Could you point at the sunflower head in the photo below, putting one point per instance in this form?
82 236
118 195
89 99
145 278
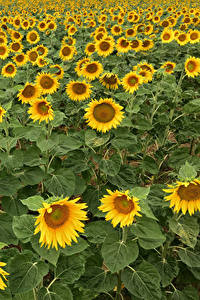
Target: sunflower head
120 207
29 93
131 82
40 110
59 221
92 70
9 70
78 90
110 80
3 274
47 83
192 66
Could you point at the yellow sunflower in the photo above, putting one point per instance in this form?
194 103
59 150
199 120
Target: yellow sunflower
32 37
104 48
29 93
4 51
67 52
80 64
120 208
167 35
59 71
90 49
194 36
20 59
32 56
47 82
92 70
42 26
184 196
78 90
16 47
59 222
2 113
169 66
4 274
131 82
123 45
147 45
41 110
146 75
9 70
136 45
104 114
41 50
182 38
110 80
192 66
116 30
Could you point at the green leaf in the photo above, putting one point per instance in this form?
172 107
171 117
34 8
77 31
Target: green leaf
57 291
12 161
148 232
140 192
66 144
93 140
9 184
33 202
32 176
99 280
51 254
97 231
118 254
58 118
149 165
23 227
125 179
24 296
62 182
187 172
111 166
6 231
32 157
192 106
6 295
45 144
13 206
70 268
143 282
189 257
187 228
8 143
26 272
75 247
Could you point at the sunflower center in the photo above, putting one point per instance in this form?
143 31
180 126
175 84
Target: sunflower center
117 29
104 46
33 56
10 69
182 37
33 36
57 217
40 50
132 80
2 40
194 36
169 67
51 26
42 25
166 36
145 44
66 51
20 58
43 108
91 48
92 68
123 205
29 91
58 72
145 67
2 50
17 22
190 192
79 88
46 82
15 46
124 43
110 80
134 44
104 112
191 66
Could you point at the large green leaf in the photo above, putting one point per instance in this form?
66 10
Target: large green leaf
97 231
23 227
57 291
32 176
189 257
6 231
33 202
111 166
75 247
66 144
9 184
13 206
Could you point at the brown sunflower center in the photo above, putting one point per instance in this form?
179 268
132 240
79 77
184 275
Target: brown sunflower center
182 37
193 36
130 31
104 46
2 40
2 50
132 81
41 50
116 29
145 67
79 88
104 112
166 36
99 36
92 68
15 46
123 205
169 67
57 217
91 48
59 71
51 26
190 192
29 91
46 82
10 69
145 43
20 58
124 43
17 22
33 55
16 35
110 80
66 51
134 44
191 66
43 108
33 36
42 25
165 23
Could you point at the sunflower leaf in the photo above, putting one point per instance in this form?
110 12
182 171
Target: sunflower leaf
187 172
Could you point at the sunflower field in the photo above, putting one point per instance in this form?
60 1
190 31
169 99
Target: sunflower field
99 150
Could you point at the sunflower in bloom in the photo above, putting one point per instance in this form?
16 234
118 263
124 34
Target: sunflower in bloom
67 52
167 35
104 114
194 36
59 222
169 66
47 83
136 45
110 80
4 51
4 274
20 59
33 37
90 49
41 110
92 70
80 64
123 45
104 48
29 93
182 38
78 90
59 71
131 82
192 66
9 70
184 196
120 208
2 113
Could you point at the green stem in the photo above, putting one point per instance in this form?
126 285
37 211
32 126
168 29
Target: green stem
119 286
124 234
34 294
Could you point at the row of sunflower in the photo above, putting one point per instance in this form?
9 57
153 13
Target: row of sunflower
99 115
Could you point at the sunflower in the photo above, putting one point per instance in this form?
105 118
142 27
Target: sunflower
20 59
69 41
92 70
167 36
120 208
4 51
32 56
25 24
90 49
2 113
47 82
130 32
9 70
41 50
52 25
41 62
59 71
16 36
184 196
131 82
104 48
146 75
182 38
59 222
66 52
116 30
72 30
3 40
136 45
32 37
29 93
147 45
192 66
147 67
80 64
42 26
4 274
169 67
78 90
123 45
104 114
110 80
194 36
41 110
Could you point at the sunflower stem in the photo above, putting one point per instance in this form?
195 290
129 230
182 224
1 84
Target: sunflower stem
119 286
124 234
34 294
